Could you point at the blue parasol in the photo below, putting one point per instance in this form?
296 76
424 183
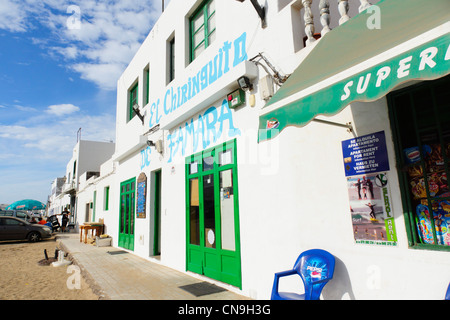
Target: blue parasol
26 204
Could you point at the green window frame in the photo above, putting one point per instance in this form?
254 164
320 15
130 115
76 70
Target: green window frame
133 95
211 183
420 122
127 213
94 205
171 56
147 85
106 197
202 28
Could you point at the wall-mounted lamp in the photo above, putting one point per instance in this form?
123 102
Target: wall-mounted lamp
138 113
244 83
158 145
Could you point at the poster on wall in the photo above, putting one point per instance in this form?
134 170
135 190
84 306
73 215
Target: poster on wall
366 166
365 154
370 208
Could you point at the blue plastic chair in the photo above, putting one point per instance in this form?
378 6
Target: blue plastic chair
447 295
315 267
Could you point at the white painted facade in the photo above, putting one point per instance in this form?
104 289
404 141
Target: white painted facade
87 158
293 193
95 198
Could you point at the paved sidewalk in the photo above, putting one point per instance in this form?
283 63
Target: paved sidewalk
126 276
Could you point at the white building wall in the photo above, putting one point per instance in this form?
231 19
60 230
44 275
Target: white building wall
292 189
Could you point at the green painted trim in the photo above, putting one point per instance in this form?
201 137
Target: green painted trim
414 241
147 88
133 100
94 205
157 212
126 240
106 198
332 99
216 254
201 10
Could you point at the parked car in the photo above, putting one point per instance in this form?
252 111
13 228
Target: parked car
16 213
12 228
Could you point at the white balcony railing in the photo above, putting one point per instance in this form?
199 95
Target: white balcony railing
324 9
69 187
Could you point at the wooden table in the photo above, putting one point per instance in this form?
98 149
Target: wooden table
86 227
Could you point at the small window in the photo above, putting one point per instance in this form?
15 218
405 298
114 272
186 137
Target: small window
11 222
147 84
133 100
203 28
171 62
106 198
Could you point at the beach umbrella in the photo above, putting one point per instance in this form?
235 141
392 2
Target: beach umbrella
26 204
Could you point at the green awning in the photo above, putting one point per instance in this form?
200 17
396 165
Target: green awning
356 63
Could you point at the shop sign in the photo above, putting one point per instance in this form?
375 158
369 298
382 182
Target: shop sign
366 166
145 157
203 131
427 61
228 57
419 63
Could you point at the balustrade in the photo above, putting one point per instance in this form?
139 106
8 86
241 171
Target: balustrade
324 9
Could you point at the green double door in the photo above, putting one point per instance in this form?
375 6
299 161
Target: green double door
212 214
127 214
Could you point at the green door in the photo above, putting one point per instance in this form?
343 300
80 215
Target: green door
126 223
212 214
157 219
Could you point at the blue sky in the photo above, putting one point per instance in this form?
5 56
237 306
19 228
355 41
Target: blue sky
59 65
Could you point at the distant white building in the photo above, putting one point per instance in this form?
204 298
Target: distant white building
87 158
55 201
244 137
96 197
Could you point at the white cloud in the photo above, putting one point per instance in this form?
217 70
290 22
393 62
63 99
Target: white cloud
53 139
12 16
104 75
25 109
107 34
62 109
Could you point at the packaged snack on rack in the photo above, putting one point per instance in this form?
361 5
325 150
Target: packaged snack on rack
442 222
424 224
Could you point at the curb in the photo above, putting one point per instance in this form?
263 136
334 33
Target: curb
96 288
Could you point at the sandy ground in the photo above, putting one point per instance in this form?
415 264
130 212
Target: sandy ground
22 277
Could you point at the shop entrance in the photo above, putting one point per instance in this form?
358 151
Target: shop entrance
213 240
420 121
126 223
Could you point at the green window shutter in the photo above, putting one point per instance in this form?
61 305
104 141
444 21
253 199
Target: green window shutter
202 28
133 100
107 198
147 94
